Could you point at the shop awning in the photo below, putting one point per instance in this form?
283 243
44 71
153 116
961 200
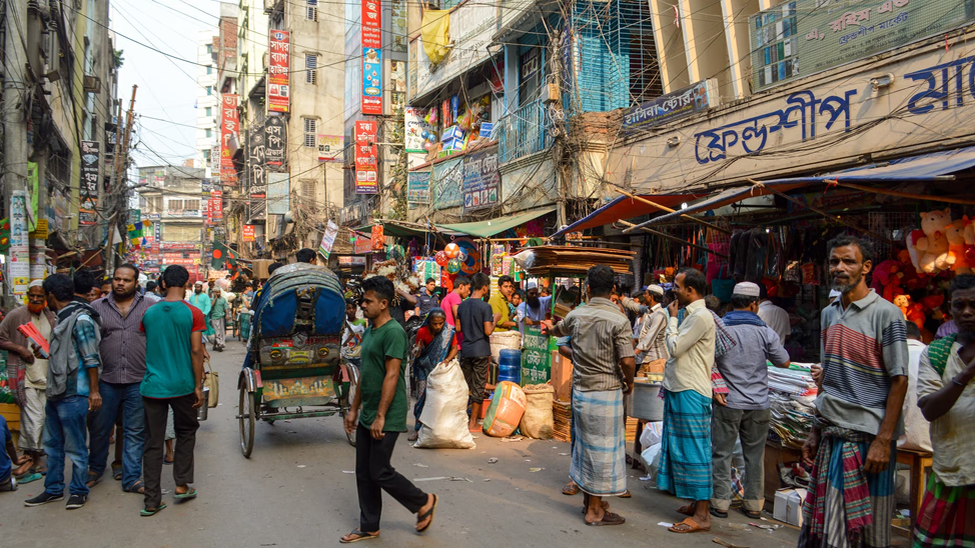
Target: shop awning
625 207
400 229
924 167
486 229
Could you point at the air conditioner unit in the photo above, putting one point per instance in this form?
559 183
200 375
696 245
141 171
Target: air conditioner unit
92 84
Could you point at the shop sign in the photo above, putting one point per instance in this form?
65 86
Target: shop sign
536 359
88 193
278 193
331 148
279 71
372 61
803 37
398 24
929 100
448 177
349 260
672 106
248 233
179 246
482 181
366 165
256 162
416 124
328 239
418 187
362 244
471 26
18 257
216 206
378 239
275 143
229 126
530 186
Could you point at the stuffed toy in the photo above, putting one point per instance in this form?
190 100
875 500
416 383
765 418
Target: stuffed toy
915 313
957 258
887 279
904 303
932 301
969 240
932 248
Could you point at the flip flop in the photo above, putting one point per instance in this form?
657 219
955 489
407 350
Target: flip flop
570 489
117 471
93 479
688 522
29 477
191 494
718 513
360 535
428 514
136 487
146 512
168 462
609 518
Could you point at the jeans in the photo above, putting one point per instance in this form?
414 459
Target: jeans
65 431
726 427
374 474
186 425
116 398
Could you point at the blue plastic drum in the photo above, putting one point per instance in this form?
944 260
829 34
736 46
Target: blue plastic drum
509 366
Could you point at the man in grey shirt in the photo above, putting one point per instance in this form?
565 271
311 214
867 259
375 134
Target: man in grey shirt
745 410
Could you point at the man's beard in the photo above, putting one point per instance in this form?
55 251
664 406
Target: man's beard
847 287
534 302
123 295
35 309
198 291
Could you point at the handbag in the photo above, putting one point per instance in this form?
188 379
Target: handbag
212 381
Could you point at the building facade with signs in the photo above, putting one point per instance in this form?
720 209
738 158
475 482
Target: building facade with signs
176 200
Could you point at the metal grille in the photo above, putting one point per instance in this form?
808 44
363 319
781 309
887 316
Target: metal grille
311 138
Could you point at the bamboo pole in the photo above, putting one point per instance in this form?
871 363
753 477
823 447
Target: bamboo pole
673 238
899 194
821 212
668 210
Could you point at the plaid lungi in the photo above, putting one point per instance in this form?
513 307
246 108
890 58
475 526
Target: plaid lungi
685 453
946 516
598 442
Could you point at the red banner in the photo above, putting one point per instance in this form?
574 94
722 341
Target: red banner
372 62
216 205
248 233
366 166
279 71
229 127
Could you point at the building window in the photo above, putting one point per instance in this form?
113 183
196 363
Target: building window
209 112
308 188
311 10
311 63
209 49
209 69
209 90
206 155
311 132
209 133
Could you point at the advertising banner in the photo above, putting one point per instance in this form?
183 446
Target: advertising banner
448 177
482 180
256 163
372 63
229 126
331 148
416 126
536 359
216 205
88 193
803 37
349 260
248 233
278 193
666 108
418 187
366 166
328 240
279 71
276 143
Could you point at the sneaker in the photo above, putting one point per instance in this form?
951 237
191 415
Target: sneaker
9 484
43 498
76 501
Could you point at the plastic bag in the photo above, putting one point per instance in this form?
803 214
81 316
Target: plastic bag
538 421
652 434
507 408
444 415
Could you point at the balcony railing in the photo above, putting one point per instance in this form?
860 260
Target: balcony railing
522 132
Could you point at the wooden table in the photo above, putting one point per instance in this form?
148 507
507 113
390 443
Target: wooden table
920 463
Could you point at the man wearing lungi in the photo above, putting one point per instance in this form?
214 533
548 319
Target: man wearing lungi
852 443
603 369
947 399
685 454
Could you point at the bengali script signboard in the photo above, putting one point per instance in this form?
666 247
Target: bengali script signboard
276 143
88 193
230 120
279 71
372 60
803 37
536 359
482 180
366 158
690 100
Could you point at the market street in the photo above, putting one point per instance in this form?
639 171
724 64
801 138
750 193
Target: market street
295 490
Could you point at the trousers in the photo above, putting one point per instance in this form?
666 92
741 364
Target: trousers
65 428
220 330
119 400
727 425
186 424
374 474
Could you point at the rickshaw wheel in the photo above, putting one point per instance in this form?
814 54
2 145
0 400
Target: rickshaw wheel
246 411
348 398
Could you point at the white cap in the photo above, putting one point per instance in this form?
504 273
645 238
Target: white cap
835 293
36 283
655 289
747 289
531 285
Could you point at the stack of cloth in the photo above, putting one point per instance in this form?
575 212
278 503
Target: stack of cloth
792 393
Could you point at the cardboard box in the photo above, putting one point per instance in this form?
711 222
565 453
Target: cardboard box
451 133
259 267
788 505
486 128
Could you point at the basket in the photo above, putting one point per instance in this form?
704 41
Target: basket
501 340
562 413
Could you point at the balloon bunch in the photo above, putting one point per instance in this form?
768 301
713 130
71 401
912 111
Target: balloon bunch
429 139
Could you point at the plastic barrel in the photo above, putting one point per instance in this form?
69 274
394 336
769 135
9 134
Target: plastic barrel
509 366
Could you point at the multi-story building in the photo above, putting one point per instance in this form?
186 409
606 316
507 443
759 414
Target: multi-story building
207 103
173 199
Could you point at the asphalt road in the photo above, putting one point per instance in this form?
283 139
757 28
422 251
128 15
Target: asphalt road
297 490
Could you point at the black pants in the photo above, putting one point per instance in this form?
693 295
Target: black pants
374 474
185 424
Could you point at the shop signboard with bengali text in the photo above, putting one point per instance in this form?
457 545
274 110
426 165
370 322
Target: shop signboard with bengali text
482 180
279 71
372 60
366 158
446 183
418 187
536 358
416 124
672 106
276 143
248 233
331 148
229 125
88 193
256 162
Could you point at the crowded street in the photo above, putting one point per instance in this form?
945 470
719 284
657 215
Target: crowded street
297 490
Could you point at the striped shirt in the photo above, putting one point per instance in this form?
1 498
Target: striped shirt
601 338
123 346
651 336
863 347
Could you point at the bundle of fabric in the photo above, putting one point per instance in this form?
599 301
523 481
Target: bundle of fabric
792 393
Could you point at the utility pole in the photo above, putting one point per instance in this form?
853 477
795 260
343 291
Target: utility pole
14 113
121 160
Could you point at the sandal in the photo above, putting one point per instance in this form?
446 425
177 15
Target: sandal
29 477
93 479
360 535
146 512
570 489
753 515
626 494
692 527
687 510
136 487
609 518
168 462
117 471
191 494
428 514
717 513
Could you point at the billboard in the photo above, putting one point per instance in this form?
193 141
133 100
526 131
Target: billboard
88 193
229 126
366 158
482 180
372 60
279 71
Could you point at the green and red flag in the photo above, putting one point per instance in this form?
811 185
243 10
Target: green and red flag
222 256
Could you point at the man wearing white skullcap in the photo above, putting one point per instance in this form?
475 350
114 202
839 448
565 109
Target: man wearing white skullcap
650 347
745 410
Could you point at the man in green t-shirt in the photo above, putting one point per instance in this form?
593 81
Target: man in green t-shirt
378 415
218 319
174 377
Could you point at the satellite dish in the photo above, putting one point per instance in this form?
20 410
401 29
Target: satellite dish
289 218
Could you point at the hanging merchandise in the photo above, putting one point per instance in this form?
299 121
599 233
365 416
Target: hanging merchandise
442 258
451 250
472 264
378 240
453 267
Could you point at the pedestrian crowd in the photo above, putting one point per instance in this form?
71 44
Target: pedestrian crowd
108 360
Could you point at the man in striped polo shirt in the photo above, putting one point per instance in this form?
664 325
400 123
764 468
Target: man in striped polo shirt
852 445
